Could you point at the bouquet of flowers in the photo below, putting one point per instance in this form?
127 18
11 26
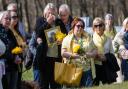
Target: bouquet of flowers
59 35
78 49
17 50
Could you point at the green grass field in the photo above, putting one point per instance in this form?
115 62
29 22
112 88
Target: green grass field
28 76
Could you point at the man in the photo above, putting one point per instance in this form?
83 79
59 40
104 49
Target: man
65 17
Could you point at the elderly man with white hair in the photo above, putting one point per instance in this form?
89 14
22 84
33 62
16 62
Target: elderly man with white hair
65 17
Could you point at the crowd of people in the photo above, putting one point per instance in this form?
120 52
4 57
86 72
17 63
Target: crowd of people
104 53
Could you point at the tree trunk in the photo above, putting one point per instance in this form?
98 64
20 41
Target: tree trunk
27 15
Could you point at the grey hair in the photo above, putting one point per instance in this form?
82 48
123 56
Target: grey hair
64 7
49 6
108 16
2 13
125 22
9 7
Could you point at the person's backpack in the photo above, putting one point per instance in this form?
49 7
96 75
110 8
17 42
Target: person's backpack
28 60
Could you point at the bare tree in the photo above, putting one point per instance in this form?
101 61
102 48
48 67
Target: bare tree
28 10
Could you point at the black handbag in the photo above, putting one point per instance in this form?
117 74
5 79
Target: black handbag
28 60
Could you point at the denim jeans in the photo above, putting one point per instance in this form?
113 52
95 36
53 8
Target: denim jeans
124 66
36 74
12 78
86 80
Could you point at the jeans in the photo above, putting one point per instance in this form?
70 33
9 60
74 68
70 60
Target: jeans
36 74
12 78
86 80
124 66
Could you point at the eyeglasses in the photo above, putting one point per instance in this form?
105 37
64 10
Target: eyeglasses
99 25
63 15
14 17
78 26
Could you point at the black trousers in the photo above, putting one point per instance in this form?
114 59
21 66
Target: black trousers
4 82
100 75
19 76
47 74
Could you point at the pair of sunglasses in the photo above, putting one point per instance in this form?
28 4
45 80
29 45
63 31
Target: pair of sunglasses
14 17
78 26
99 25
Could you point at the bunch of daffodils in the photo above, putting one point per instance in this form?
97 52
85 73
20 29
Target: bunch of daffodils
17 50
78 49
59 36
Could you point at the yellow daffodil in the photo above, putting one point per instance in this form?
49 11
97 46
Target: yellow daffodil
59 35
76 48
17 50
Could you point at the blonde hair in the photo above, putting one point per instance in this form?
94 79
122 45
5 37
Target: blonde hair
49 6
125 22
99 21
64 7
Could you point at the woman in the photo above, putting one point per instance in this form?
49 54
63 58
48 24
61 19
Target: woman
6 35
104 46
121 48
46 57
77 36
20 40
110 30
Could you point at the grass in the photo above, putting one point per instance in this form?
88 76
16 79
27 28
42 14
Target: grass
28 75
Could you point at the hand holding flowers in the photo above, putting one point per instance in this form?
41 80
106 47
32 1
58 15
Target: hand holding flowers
77 49
59 37
17 50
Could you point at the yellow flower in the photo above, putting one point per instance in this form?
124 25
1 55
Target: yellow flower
59 35
17 50
76 48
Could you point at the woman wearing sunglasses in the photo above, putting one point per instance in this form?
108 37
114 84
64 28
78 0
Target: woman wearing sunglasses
104 45
78 37
14 26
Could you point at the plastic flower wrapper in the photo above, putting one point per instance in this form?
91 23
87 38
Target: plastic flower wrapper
59 35
17 50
